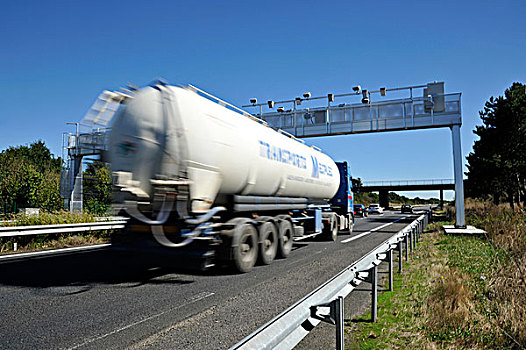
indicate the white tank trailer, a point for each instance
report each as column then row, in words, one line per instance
column 198, row 172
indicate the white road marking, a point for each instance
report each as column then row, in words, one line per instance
column 306, row 236
column 192, row 300
column 371, row 231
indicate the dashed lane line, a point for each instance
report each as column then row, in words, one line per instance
column 371, row 231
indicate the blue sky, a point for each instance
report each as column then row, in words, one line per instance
column 56, row 57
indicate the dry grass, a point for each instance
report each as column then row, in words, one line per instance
column 501, row 304
column 458, row 292
column 450, row 305
column 46, row 218
column 507, row 287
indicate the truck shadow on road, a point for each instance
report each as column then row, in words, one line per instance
column 89, row 269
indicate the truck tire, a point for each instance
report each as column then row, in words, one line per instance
column 330, row 230
column 350, row 222
column 268, row 242
column 299, row 231
column 244, row 246
column 285, row 237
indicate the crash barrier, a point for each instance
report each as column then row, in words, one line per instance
column 325, row 304
column 13, row 231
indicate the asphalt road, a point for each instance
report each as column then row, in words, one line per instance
column 100, row 300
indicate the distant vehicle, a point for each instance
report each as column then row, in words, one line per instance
column 360, row 210
column 375, row 209
column 407, row 208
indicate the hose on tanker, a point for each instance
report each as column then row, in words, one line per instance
column 157, row 228
column 160, row 237
column 162, row 217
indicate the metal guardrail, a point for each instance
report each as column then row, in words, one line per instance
column 12, row 231
column 52, row 252
column 325, row 304
column 98, row 218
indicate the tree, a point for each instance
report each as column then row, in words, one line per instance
column 29, row 177
column 497, row 165
column 97, row 188
column 356, row 184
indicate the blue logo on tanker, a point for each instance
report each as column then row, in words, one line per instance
column 319, row 168
column 282, row 155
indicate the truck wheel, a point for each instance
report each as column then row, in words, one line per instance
column 286, row 235
column 268, row 242
column 350, row 222
column 330, row 231
column 245, row 247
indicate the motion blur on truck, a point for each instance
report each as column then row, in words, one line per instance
column 196, row 174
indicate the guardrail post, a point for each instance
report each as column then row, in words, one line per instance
column 340, row 341
column 406, row 240
column 411, row 239
column 400, row 248
column 390, row 262
column 335, row 317
column 374, row 290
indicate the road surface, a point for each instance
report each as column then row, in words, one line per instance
column 97, row 300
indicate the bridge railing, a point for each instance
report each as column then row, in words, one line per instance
column 388, row 183
column 406, row 113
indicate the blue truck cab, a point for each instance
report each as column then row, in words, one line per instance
column 332, row 217
column 343, row 201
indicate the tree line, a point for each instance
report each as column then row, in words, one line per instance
column 497, row 164
column 30, row 178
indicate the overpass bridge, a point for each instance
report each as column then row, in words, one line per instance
column 384, row 187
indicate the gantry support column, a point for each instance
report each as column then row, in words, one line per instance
column 460, row 221
column 384, row 198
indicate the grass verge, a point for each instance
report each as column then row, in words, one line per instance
column 450, row 295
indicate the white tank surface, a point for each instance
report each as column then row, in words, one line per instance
column 172, row 133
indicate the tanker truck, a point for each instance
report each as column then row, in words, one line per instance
column 195, row 173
